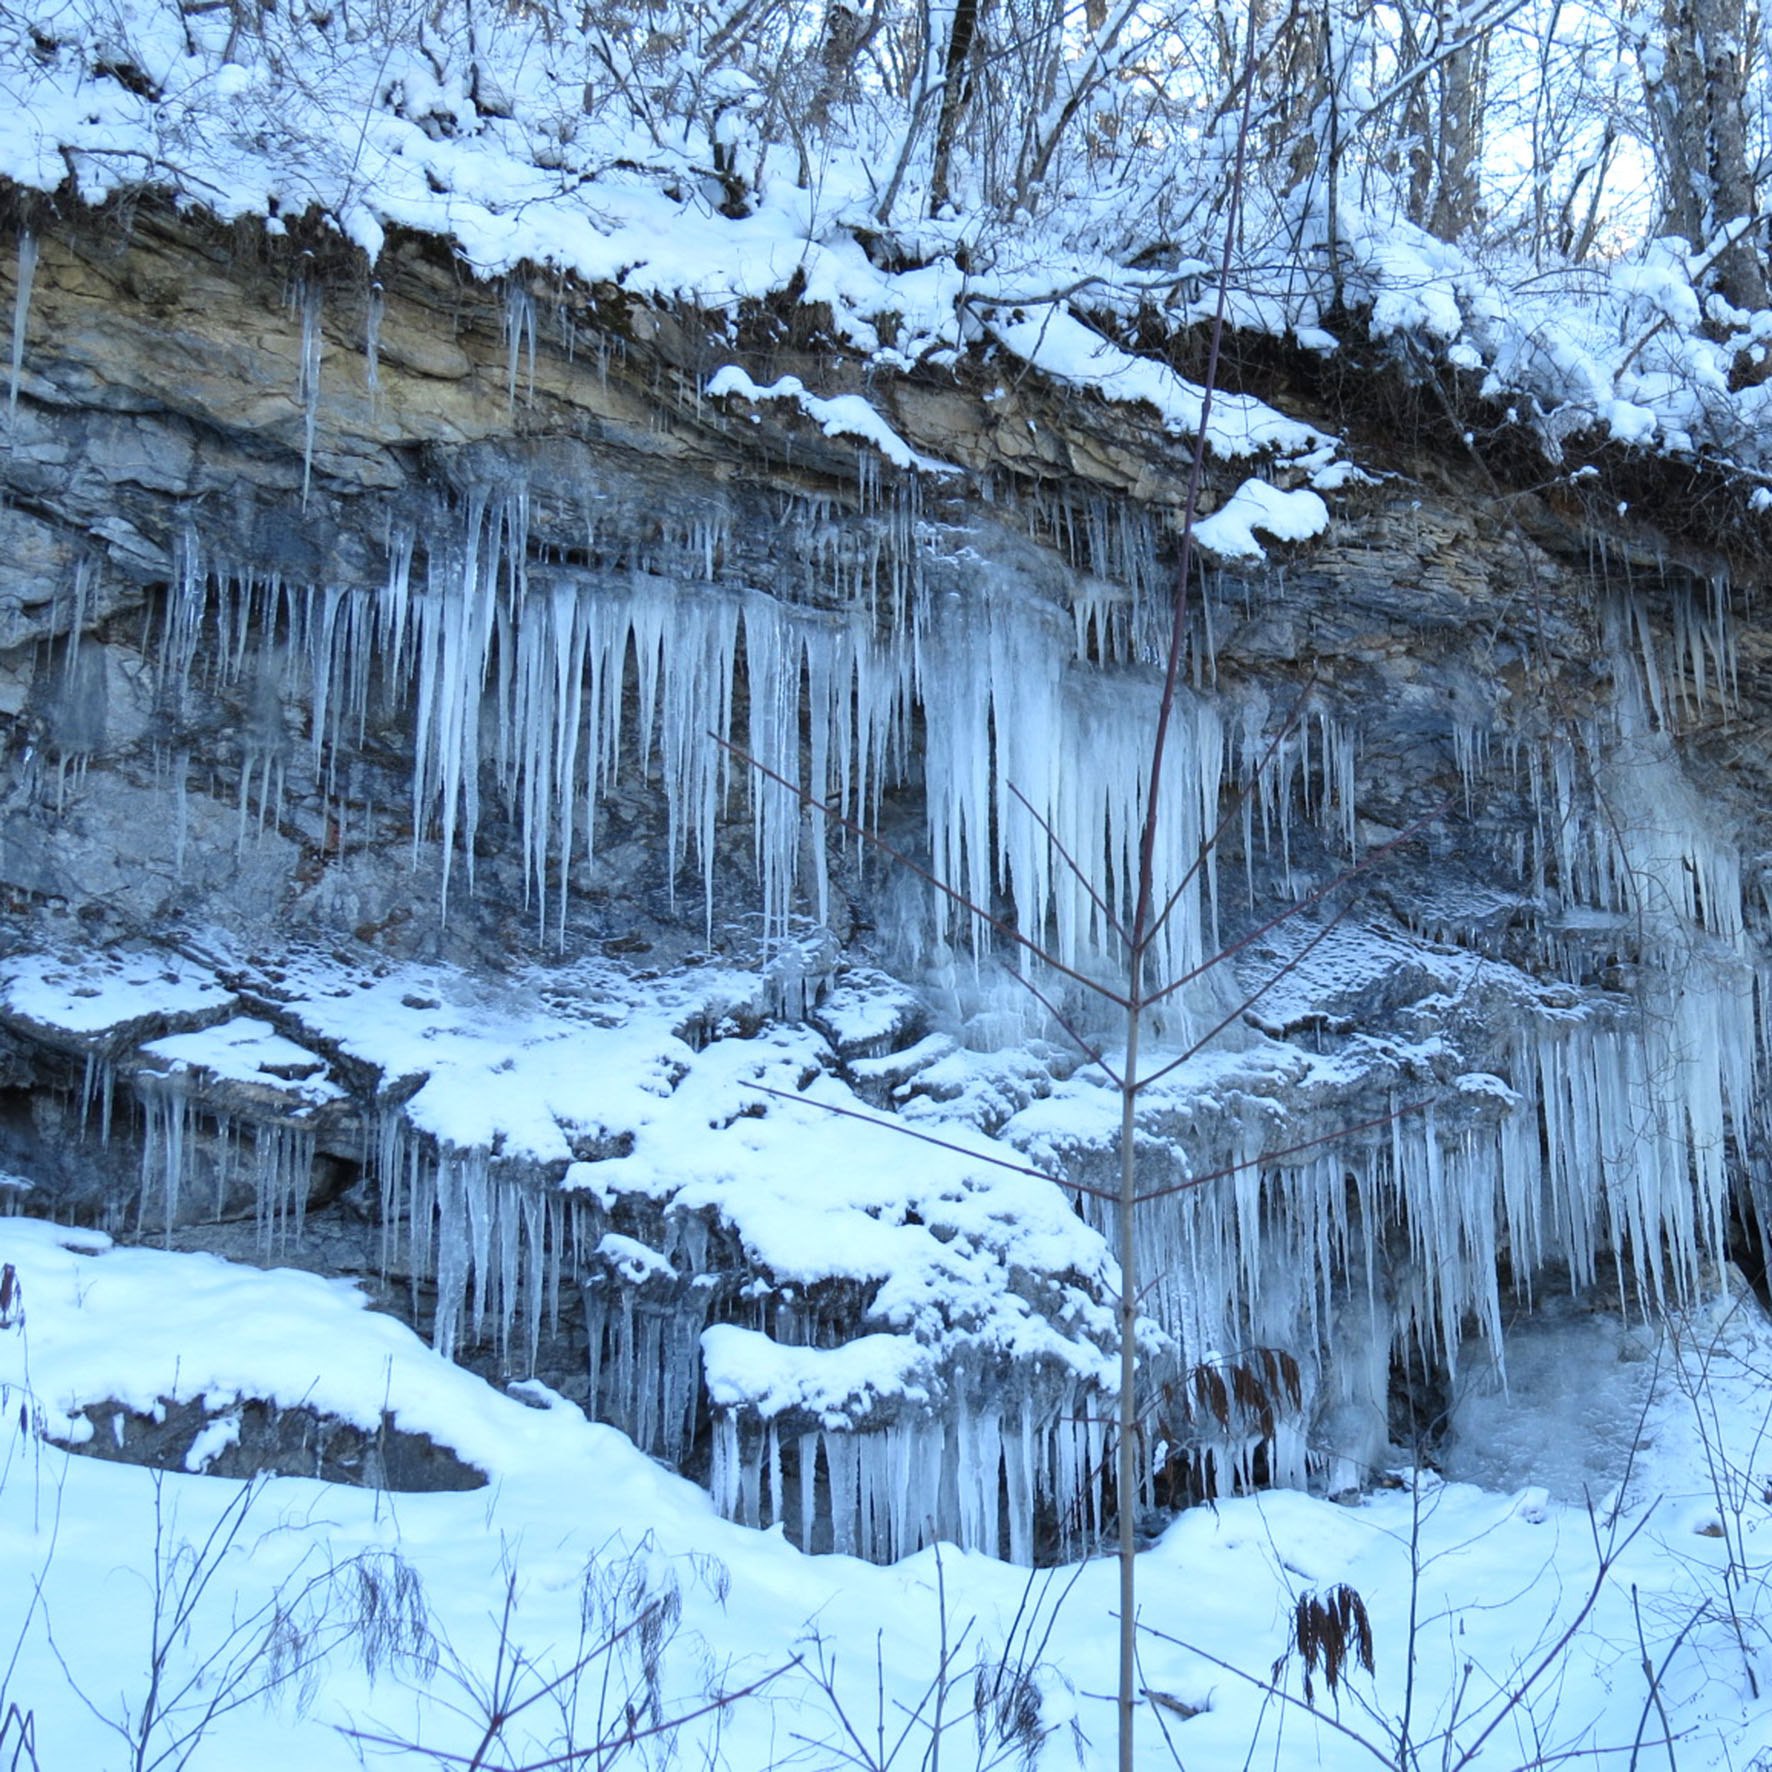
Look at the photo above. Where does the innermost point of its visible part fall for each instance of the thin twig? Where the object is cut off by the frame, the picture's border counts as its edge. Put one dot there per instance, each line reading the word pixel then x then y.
pixel 1071 864
pixel 1284 916
pixel 1082 1187
pixel 1007 930
pixel 1655 1675
pixel 1291 1150
pixel 1249 1002
pixel 578 1756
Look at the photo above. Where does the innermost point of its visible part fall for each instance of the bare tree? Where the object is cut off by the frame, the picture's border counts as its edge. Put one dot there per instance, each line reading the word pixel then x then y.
pixel 1443 128
pixel 606 1702
pixel 955 87
pixel 1135 986
pixel 1695 81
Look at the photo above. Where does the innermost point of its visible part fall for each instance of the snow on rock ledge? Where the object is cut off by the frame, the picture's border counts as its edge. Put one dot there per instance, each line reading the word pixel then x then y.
pixel 858 1293
pixel 1286 516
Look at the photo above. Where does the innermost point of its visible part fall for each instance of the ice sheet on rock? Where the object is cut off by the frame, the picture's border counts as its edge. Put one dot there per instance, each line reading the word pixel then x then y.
pixel 246 1050
pixel 846 415
pixel 1307 973
pixel 520 1068
pixel 637 1262
pixel 1568 1416
pixel 949 1083
pixel 95 994
pixel 978 1286
pixel 1060 345
pixel 816 1197
pixel 867 1014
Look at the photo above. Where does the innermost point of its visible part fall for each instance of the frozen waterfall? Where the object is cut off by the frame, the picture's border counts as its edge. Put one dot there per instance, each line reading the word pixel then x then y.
pixel 1593 1148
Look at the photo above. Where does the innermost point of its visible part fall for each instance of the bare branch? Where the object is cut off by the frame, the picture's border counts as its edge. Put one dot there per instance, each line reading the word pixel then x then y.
pixel 1267 1157
pixel 1076 872
pixel 1249 1002
pixel 598 1751
pixel 1285 915
pixel 904 1131
pixel 952 893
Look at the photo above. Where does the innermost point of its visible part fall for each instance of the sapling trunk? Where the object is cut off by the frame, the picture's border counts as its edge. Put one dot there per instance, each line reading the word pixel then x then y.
pixel 1147 923
pixel 1126 1474
pixel 1136 996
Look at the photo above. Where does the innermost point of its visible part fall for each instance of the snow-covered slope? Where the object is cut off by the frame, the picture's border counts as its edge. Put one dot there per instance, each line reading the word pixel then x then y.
pixel 582 1533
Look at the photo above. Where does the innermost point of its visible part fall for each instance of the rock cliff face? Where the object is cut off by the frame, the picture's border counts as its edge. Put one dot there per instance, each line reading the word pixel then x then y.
pixel 384 890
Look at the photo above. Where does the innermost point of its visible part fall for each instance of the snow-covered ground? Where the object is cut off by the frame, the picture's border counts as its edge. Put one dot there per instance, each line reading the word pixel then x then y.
pixel 1501 1586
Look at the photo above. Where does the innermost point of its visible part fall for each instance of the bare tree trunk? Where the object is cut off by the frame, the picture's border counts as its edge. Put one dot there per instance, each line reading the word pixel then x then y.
pixel 1295 85
pixel 1697 93
pixel 1441 123
pixel 1126 1467
pixel 1463 86
pixel 953 98
pixel 841 41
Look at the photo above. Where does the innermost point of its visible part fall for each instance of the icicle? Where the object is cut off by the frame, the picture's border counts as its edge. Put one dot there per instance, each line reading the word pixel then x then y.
pixel 726 1474
pixel 21 310
pixel 77 624
pixel 540 1262
pixel 596 1307
pixel 776 1509
pixel 842 1461
pixel 372 319
pixel 166 1107
pixel 750 1480
pixel 181 822
pixel 808 1488
pixel 307 393
pixel 449 1191
pixel 519 339
pixel 283 1174
pixel 90 1089
pixel 1470 750
pixel 389 1158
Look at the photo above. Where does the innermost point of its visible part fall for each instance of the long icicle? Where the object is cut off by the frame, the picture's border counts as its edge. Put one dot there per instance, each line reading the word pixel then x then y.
pixel 21 309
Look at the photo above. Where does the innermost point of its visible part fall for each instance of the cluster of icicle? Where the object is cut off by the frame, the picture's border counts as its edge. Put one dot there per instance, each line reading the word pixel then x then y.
pixel 1603 1156
pixel 1004 1450
pixel 1608 1158
pixel 1002 1453
pixel 983 1473
pixel 1608 1161
pixel 551 680
pixel 274 1159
